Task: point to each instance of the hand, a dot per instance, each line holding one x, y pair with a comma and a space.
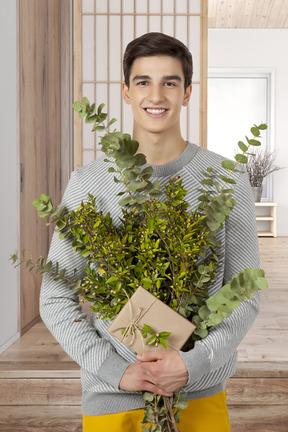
137, 378
166, 369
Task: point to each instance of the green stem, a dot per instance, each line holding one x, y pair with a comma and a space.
168, 402
229, 175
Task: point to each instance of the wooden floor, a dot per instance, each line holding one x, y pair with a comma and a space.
40, 387
267, 340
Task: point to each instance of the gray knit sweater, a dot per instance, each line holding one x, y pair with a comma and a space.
102, 358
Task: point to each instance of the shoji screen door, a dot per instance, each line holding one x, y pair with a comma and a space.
102, 29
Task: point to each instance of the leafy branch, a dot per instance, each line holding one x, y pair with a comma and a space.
123, 151
158, 409
43, 266
155, 338
216, 200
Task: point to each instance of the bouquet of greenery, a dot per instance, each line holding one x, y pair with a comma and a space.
161, 245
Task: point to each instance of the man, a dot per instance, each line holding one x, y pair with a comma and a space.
158, 75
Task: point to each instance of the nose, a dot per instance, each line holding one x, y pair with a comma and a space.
156, 93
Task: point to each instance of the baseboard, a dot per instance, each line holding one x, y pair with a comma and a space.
10, 341
30, 325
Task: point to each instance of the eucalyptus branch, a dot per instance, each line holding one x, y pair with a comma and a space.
124, 151
242, 157
217, 208
241, 288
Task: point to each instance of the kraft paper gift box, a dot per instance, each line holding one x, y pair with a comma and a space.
144, 308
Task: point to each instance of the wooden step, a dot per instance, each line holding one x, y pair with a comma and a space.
47, 391
40, 418
43, 399
69, 419
32, 404
252, 383
259, 418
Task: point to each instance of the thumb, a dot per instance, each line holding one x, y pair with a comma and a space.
149, 356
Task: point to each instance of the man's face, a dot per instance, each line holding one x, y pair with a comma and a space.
156, 93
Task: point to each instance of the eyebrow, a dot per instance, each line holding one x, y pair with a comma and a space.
165, 77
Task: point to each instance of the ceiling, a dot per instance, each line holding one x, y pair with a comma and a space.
248, 14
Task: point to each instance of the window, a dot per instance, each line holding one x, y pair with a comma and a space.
236, 100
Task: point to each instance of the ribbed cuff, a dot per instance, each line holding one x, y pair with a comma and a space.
197, 363
113, 369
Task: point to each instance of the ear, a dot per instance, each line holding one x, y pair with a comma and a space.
125, 93
187, 95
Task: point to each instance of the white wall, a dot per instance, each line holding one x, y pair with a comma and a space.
8, 173
257, 48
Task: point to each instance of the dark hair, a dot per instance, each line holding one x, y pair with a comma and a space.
156, 44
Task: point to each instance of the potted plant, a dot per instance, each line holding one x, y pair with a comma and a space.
259, 166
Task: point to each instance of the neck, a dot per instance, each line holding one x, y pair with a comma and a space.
161, 148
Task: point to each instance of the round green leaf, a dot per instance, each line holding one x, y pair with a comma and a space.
213, 225
126, 201
228, 164
201, 332
140, 198
241, 158
261, 284
227, 179
140, 159
262, 126
254, 142
214, 320
204, 312
255, 131
77, 106
242, 146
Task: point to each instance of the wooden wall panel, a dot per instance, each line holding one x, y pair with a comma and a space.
40, 130
66, 93
77, 79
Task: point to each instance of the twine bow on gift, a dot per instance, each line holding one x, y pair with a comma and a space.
133, 325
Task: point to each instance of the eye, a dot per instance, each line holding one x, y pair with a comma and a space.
169, 84
142, 83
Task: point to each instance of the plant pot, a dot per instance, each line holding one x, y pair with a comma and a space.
257, 192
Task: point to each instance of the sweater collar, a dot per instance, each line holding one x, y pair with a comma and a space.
177, 164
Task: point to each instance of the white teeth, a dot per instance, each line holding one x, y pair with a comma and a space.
155, 111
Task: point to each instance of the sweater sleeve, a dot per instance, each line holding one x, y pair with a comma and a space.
61, 312
241, 251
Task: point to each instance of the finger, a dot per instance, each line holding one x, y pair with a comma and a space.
149, 356
155, 389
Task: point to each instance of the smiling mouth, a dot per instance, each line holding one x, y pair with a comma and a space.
156, 111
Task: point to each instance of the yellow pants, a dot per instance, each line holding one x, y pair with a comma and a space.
202, 415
